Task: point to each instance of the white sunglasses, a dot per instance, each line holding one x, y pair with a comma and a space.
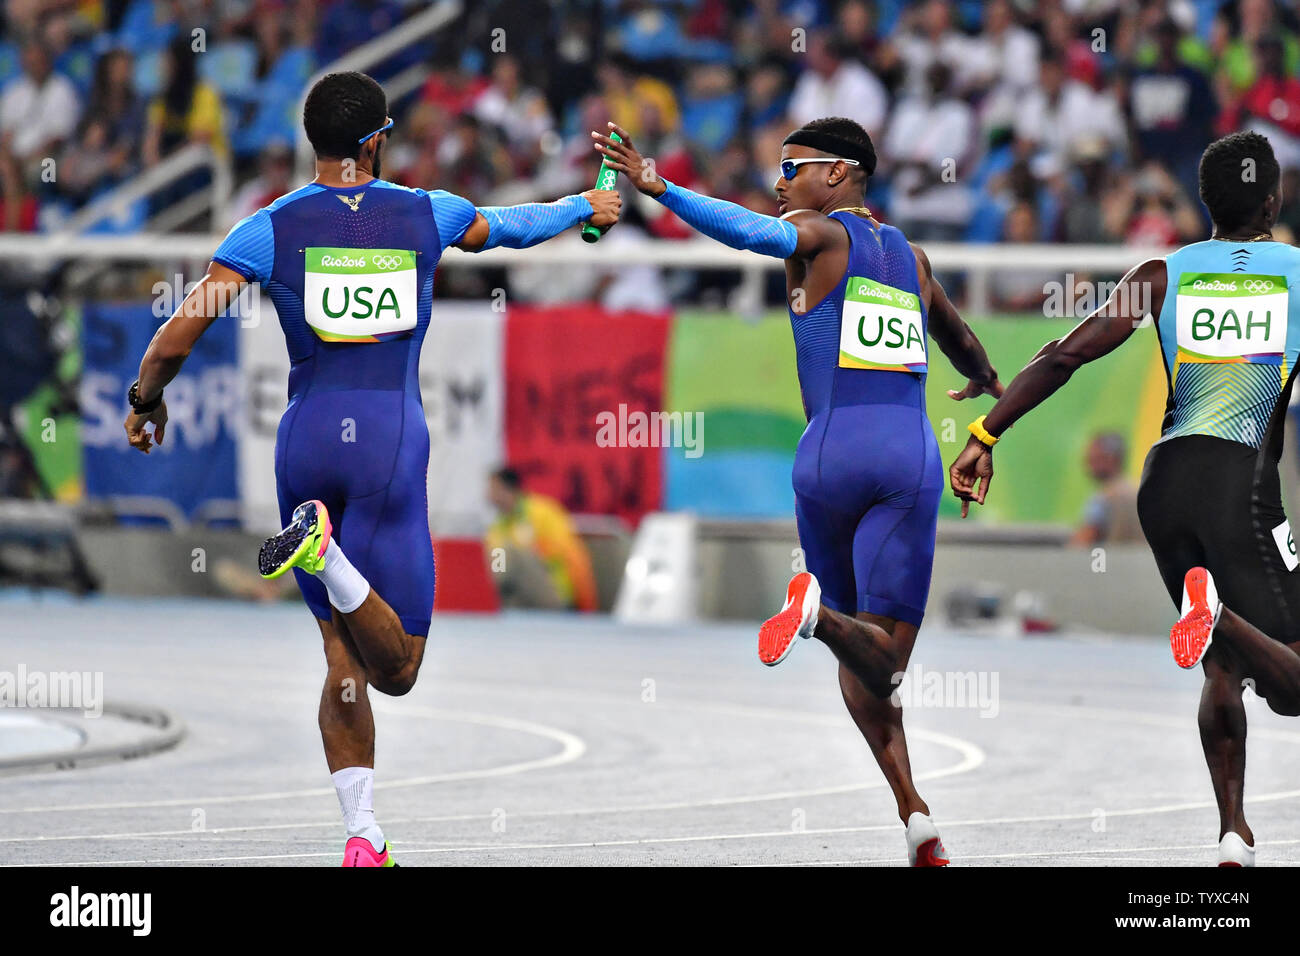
791, 166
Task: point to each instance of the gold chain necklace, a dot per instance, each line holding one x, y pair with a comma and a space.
1258, 237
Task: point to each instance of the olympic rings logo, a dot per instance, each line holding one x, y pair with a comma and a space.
387, 263
904, 299
1258, 285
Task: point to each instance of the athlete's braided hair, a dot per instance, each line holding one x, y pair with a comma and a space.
340, 109
1238, 173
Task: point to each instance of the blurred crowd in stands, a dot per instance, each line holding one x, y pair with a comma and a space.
1028, 121
1007, 120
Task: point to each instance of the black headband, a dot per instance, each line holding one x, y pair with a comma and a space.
838, 145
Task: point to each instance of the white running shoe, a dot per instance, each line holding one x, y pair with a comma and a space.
924, 848
1234, 851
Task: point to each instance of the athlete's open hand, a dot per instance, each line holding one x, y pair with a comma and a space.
135, 431
974, 466
606, 204
975, 389
625, 158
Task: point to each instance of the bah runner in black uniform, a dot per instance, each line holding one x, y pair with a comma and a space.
1210, 500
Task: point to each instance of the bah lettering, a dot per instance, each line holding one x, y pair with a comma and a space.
1205, 326
895, 329
387, 300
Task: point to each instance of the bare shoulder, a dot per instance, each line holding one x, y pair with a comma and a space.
922, 261
924, 274
1141, 292
817, 232
1151, 277
1148, 270
811, 218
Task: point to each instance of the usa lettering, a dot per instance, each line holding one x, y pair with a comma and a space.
362, 306
894, 327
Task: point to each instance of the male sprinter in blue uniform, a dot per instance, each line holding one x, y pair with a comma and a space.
1210, 500
348, 261
867, 473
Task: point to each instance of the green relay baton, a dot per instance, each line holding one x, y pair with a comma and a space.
605, 180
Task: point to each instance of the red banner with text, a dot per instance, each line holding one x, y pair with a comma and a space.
576, 375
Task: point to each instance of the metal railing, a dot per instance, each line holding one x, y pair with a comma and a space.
978, 261
195, 156
117, 201
366, 56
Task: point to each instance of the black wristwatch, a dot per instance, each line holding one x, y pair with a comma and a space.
137, 406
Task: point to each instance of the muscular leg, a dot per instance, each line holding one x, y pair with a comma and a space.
884, 556
1222, 721
877, 717
391, 656
867, 646
386, 534
1272, 666
347, 725
368, 641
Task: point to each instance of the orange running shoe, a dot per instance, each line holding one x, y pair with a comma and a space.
1190, 637
798, 618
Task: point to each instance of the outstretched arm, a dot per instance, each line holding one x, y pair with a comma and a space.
800, 234
518, 227
1140, 293
954, 337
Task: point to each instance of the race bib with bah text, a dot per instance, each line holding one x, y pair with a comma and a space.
1230, 317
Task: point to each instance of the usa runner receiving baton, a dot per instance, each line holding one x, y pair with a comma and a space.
867, 473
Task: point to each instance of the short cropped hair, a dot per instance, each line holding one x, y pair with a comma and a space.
341, 109
1237, 174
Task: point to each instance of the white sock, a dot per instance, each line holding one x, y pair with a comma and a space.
355, 785
347, 589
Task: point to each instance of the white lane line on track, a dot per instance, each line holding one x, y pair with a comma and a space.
488, 848
1186, 849
882, 827
572, 747
972, 757
406, 850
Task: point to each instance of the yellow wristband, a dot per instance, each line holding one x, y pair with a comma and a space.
977, 429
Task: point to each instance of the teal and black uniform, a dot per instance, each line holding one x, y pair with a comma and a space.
1210, 494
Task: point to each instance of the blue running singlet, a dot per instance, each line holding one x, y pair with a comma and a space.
350, 271
867, 473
